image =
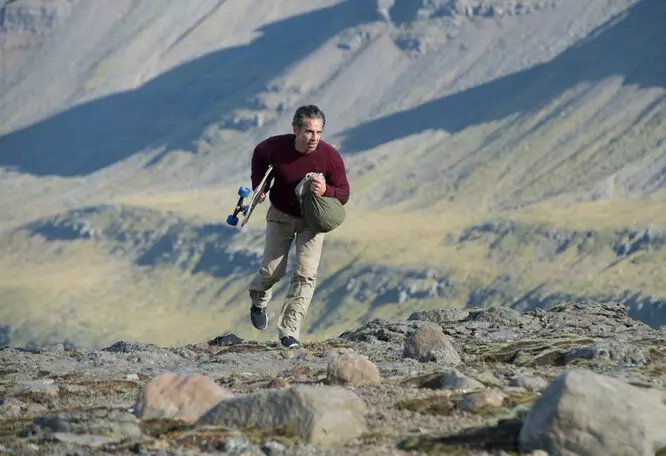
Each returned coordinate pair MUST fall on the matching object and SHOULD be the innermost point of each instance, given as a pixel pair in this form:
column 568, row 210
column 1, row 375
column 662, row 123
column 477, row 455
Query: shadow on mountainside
column 632, row 45
column 173, row 109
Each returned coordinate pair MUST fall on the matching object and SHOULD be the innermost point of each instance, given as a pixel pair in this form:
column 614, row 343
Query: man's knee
column 304, row 280
column 307, row 268
column 273, row 272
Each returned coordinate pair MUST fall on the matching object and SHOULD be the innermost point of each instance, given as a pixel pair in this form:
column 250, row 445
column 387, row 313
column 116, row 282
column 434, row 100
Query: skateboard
column 243, row 192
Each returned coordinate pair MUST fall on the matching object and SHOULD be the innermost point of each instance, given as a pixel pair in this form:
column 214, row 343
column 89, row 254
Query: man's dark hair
column 308, row 112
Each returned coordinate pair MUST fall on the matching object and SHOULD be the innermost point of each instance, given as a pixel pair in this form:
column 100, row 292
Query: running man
column 292, row 157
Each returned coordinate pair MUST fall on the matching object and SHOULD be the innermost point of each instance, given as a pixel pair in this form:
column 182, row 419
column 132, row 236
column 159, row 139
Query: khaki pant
column 281, row 231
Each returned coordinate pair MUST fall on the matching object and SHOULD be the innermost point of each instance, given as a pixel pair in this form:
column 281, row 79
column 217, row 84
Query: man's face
column 308, row 135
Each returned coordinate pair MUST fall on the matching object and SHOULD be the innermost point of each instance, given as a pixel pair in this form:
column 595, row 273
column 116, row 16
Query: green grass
column 94, row 297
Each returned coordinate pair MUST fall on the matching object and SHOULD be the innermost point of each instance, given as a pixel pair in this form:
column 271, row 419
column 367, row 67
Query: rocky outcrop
column 24, row 26
column 582, row 378
column 408, row 10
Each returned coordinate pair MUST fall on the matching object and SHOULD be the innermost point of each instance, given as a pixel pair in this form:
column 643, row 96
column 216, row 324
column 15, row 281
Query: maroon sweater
column 290, row 167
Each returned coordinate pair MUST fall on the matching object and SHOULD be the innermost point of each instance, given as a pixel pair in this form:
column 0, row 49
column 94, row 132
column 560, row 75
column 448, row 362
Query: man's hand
column 317, row 186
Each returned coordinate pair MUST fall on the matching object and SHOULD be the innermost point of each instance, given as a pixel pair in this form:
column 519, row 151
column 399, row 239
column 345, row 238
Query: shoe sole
column 260, row 328
column 292, row 345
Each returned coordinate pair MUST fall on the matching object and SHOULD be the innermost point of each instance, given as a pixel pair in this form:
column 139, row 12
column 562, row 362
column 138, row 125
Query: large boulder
column 177, row 396
column 317, row 414
column 582, row 413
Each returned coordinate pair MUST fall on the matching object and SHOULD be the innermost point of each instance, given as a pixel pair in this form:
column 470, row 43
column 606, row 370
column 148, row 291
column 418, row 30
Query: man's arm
column 337, row 185
column 260, row 162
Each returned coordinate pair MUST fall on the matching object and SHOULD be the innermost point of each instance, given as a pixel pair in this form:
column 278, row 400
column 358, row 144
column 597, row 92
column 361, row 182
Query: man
column 292, row 157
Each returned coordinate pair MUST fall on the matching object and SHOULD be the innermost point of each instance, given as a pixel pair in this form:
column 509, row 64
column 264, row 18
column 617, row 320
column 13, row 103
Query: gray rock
column 11, row 407
column 476, row 402
column 583, row 413
column 237, row 446
column 106, row 422
column 453, row 379
column 608, row 351
column 183, row 397
column 92, row 441
column 317, row 414
column 351, row 369
column 530, row 383
column 273, row 448
column 430, row 344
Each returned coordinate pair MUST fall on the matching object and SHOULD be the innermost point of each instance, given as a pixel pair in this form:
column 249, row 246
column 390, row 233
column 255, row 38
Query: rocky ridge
column 582, row 378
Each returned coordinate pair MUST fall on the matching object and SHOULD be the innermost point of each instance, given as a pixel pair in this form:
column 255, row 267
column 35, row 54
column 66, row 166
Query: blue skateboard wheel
column 244, row 191
column 231, row 220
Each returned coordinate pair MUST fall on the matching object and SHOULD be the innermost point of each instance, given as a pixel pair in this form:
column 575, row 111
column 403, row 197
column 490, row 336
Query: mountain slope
column 148, row 88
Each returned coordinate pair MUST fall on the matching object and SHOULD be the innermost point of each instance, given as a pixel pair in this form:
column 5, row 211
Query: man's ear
column 295, row 129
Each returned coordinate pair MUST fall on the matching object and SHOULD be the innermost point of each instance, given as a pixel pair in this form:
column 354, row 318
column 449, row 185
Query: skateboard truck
column 257, row 197
column 243, row 192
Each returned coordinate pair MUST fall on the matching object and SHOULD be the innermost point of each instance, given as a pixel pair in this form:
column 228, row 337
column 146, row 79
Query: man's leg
column 279, row 236
column 308, row 254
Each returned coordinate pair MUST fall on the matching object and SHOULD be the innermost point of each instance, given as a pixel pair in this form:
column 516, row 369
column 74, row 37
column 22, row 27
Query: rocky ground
column 583, row 378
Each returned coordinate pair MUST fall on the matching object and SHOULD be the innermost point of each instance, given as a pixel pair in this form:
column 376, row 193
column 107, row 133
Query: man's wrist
column 329, row 191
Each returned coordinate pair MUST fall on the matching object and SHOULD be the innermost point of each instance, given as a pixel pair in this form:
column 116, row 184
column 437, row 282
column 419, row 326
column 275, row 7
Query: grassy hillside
column 510, row 155
column 138, row 273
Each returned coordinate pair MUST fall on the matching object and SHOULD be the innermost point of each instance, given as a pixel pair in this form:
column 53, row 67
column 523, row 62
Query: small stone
column 11, row 407
column 92, row 441
column 35, row 409
column 299, row 372
column 485, row 399
column 287, row 354
column 488, row 379
column 225, row 340
column 273, row 448
column 430, row 344
column 183, row 397
column 235, row 445
column 530, row 383
column 107, row 422
column 353, row 370
column 131, row 377
column 453, row 379
column 277, row 382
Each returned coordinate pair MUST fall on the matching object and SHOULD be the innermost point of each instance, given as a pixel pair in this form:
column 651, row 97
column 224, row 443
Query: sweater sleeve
column 260, row 163
column 337, row 185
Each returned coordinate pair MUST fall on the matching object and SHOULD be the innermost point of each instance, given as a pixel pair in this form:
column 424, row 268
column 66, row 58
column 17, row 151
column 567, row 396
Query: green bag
column 322, row 213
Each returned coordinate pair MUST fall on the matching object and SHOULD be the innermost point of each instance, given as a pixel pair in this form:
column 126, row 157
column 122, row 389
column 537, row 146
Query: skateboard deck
column 243, row 192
